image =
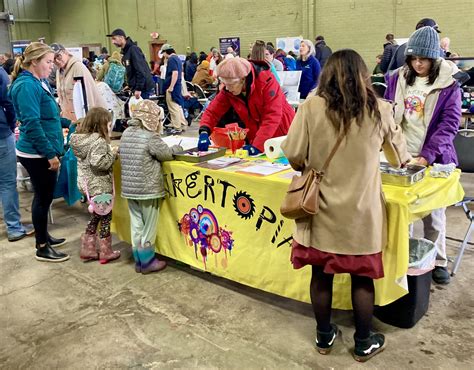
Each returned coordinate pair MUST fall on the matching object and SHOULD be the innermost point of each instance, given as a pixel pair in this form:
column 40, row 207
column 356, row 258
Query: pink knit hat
column 233, row 68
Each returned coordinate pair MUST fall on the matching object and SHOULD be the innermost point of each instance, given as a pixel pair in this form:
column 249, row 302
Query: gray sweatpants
column 144, row 220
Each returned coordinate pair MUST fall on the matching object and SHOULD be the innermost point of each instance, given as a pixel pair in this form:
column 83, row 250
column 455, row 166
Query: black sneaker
column 367, row 348
column 48, row 254
column 56, row 242
column 441, row 275
column 325, row 340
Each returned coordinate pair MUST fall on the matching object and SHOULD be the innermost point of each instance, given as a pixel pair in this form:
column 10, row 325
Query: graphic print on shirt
column 414, row 104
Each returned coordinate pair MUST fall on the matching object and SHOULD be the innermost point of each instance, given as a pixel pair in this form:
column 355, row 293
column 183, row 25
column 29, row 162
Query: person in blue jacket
column 41, row 141
column 310, row 67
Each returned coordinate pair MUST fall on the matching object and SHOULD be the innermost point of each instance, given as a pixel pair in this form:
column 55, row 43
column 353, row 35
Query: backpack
column 115, row 77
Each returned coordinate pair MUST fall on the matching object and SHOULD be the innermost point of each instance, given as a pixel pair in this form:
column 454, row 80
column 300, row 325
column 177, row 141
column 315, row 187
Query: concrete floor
column 87, row 315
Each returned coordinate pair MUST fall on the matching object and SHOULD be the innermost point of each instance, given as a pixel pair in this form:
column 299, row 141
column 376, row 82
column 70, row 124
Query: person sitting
column 255, row 95
column 202, row 77
column 190, row 67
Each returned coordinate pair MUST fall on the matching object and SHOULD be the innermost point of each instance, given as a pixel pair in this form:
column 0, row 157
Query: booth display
column 228, row 223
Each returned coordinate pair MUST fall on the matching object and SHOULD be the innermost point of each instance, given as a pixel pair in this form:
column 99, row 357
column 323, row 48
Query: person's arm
column 28, row 100
column 140, row 69
column 102, row 157
column 174, row 79
column 316, row 67
column 5, row 101
column 272, row 113
column 446, row 129
column 296, row 144
column 160, row 150
column 214, row 112
column 386, row 58
column 394, row 142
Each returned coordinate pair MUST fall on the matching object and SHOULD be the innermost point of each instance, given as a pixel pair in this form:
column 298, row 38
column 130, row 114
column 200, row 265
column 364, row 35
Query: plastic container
column 406, row 311
column 220, row 137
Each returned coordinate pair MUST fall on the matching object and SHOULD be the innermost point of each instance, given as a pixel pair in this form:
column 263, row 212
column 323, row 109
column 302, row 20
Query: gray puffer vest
column 141, row 154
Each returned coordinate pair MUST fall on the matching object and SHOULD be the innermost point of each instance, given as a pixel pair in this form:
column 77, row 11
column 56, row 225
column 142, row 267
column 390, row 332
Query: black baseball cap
column 117, row 32
column 428, row 22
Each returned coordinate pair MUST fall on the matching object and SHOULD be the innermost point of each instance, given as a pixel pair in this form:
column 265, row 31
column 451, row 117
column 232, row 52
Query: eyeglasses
column 58, row 56
column 260, row 42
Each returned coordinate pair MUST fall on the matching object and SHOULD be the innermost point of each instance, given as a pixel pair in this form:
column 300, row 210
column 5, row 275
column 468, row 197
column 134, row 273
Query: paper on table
column 186, row 142
column 264, row 169
column 218, row 163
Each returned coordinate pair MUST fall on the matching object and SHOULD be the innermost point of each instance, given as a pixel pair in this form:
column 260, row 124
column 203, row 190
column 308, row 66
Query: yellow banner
column 229, row 224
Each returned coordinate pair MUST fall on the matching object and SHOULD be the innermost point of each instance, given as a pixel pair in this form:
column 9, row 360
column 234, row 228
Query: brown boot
column 106, row 253
column 89, row 248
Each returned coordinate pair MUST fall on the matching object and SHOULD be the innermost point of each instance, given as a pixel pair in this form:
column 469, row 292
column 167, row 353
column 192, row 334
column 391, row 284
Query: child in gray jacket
column 141, row 152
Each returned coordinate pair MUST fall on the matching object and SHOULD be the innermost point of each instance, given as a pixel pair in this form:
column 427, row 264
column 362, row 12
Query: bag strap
column 87, row 190
column 334, row 150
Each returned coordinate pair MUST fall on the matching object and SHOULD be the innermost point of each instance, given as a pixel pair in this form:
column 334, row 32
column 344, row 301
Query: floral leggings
column 93, row 224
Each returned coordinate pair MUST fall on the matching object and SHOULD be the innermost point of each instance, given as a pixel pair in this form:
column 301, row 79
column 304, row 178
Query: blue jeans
column 9, row 194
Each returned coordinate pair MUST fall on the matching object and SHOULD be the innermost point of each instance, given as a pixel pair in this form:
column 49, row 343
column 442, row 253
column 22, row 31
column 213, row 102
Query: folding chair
column 464, row 144
column 379, row 88
column 202, row 99
column 190, row 86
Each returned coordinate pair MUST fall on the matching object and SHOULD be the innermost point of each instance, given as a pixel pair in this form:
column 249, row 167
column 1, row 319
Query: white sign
column 289, row 44
column 75, row 52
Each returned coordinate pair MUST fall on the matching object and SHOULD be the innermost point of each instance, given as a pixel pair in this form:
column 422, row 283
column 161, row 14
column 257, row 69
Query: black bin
column 409, row 309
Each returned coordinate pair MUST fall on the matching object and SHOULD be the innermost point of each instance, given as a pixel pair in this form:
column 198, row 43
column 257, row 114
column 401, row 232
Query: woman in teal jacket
column 41, row 140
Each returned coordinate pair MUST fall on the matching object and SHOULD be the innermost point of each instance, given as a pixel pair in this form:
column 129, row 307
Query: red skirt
column 369, row 265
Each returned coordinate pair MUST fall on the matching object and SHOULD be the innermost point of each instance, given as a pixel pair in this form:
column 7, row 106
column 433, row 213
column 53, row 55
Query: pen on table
column 179, row 144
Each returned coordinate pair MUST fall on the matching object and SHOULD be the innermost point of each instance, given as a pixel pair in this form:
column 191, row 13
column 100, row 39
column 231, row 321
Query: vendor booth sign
column 75, row 52
column 225, row 42
column 289, row 44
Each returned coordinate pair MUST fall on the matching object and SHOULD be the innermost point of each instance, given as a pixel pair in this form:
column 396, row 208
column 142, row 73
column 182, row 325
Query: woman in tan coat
column 68, row 68
column 349, row 232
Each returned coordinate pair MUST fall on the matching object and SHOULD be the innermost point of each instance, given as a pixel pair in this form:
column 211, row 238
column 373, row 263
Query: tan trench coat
column 352, row 216
column 65, row 85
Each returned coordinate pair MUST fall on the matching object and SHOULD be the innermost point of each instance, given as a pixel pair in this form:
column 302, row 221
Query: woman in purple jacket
column 428, row 107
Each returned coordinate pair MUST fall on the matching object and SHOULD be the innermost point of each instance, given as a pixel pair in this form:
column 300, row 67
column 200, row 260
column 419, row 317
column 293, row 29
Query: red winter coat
column 266, row 113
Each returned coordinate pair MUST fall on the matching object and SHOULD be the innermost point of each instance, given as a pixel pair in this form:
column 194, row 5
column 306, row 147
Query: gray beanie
column 424, row 42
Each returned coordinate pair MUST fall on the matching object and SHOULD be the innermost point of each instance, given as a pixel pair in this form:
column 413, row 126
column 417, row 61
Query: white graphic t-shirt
column 414, row 125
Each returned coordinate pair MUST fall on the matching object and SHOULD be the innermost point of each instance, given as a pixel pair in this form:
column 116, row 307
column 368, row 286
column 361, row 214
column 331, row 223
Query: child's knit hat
column 424, row 42
column 150, row 114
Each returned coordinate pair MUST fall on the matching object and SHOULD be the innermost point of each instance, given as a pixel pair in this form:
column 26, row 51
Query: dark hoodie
column 138, row 72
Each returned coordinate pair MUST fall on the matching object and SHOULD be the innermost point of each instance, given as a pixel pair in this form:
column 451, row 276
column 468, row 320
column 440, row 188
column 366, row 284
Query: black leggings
column 44, row 182
column 362, row 301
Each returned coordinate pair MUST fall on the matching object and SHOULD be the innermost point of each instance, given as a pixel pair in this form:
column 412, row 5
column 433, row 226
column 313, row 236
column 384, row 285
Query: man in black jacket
column 323, row 52
column 139, row 77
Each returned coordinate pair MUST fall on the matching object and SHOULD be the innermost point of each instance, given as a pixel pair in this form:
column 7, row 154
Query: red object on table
column 220, row 137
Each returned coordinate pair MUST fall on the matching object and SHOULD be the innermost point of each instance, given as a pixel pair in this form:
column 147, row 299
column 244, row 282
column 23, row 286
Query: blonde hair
column 33, row 52
column 96, row 121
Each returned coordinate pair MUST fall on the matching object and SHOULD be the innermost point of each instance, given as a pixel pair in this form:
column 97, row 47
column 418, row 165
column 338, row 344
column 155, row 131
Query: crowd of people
column 349, row 232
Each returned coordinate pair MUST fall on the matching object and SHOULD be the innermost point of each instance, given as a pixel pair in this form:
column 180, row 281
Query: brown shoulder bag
column 302, row 196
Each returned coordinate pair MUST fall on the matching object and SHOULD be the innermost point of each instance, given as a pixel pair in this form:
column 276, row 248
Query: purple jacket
column 444, row 125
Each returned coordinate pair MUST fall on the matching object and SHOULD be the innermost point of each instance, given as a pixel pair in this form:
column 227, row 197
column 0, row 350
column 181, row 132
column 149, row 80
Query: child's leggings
column 93, row 224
